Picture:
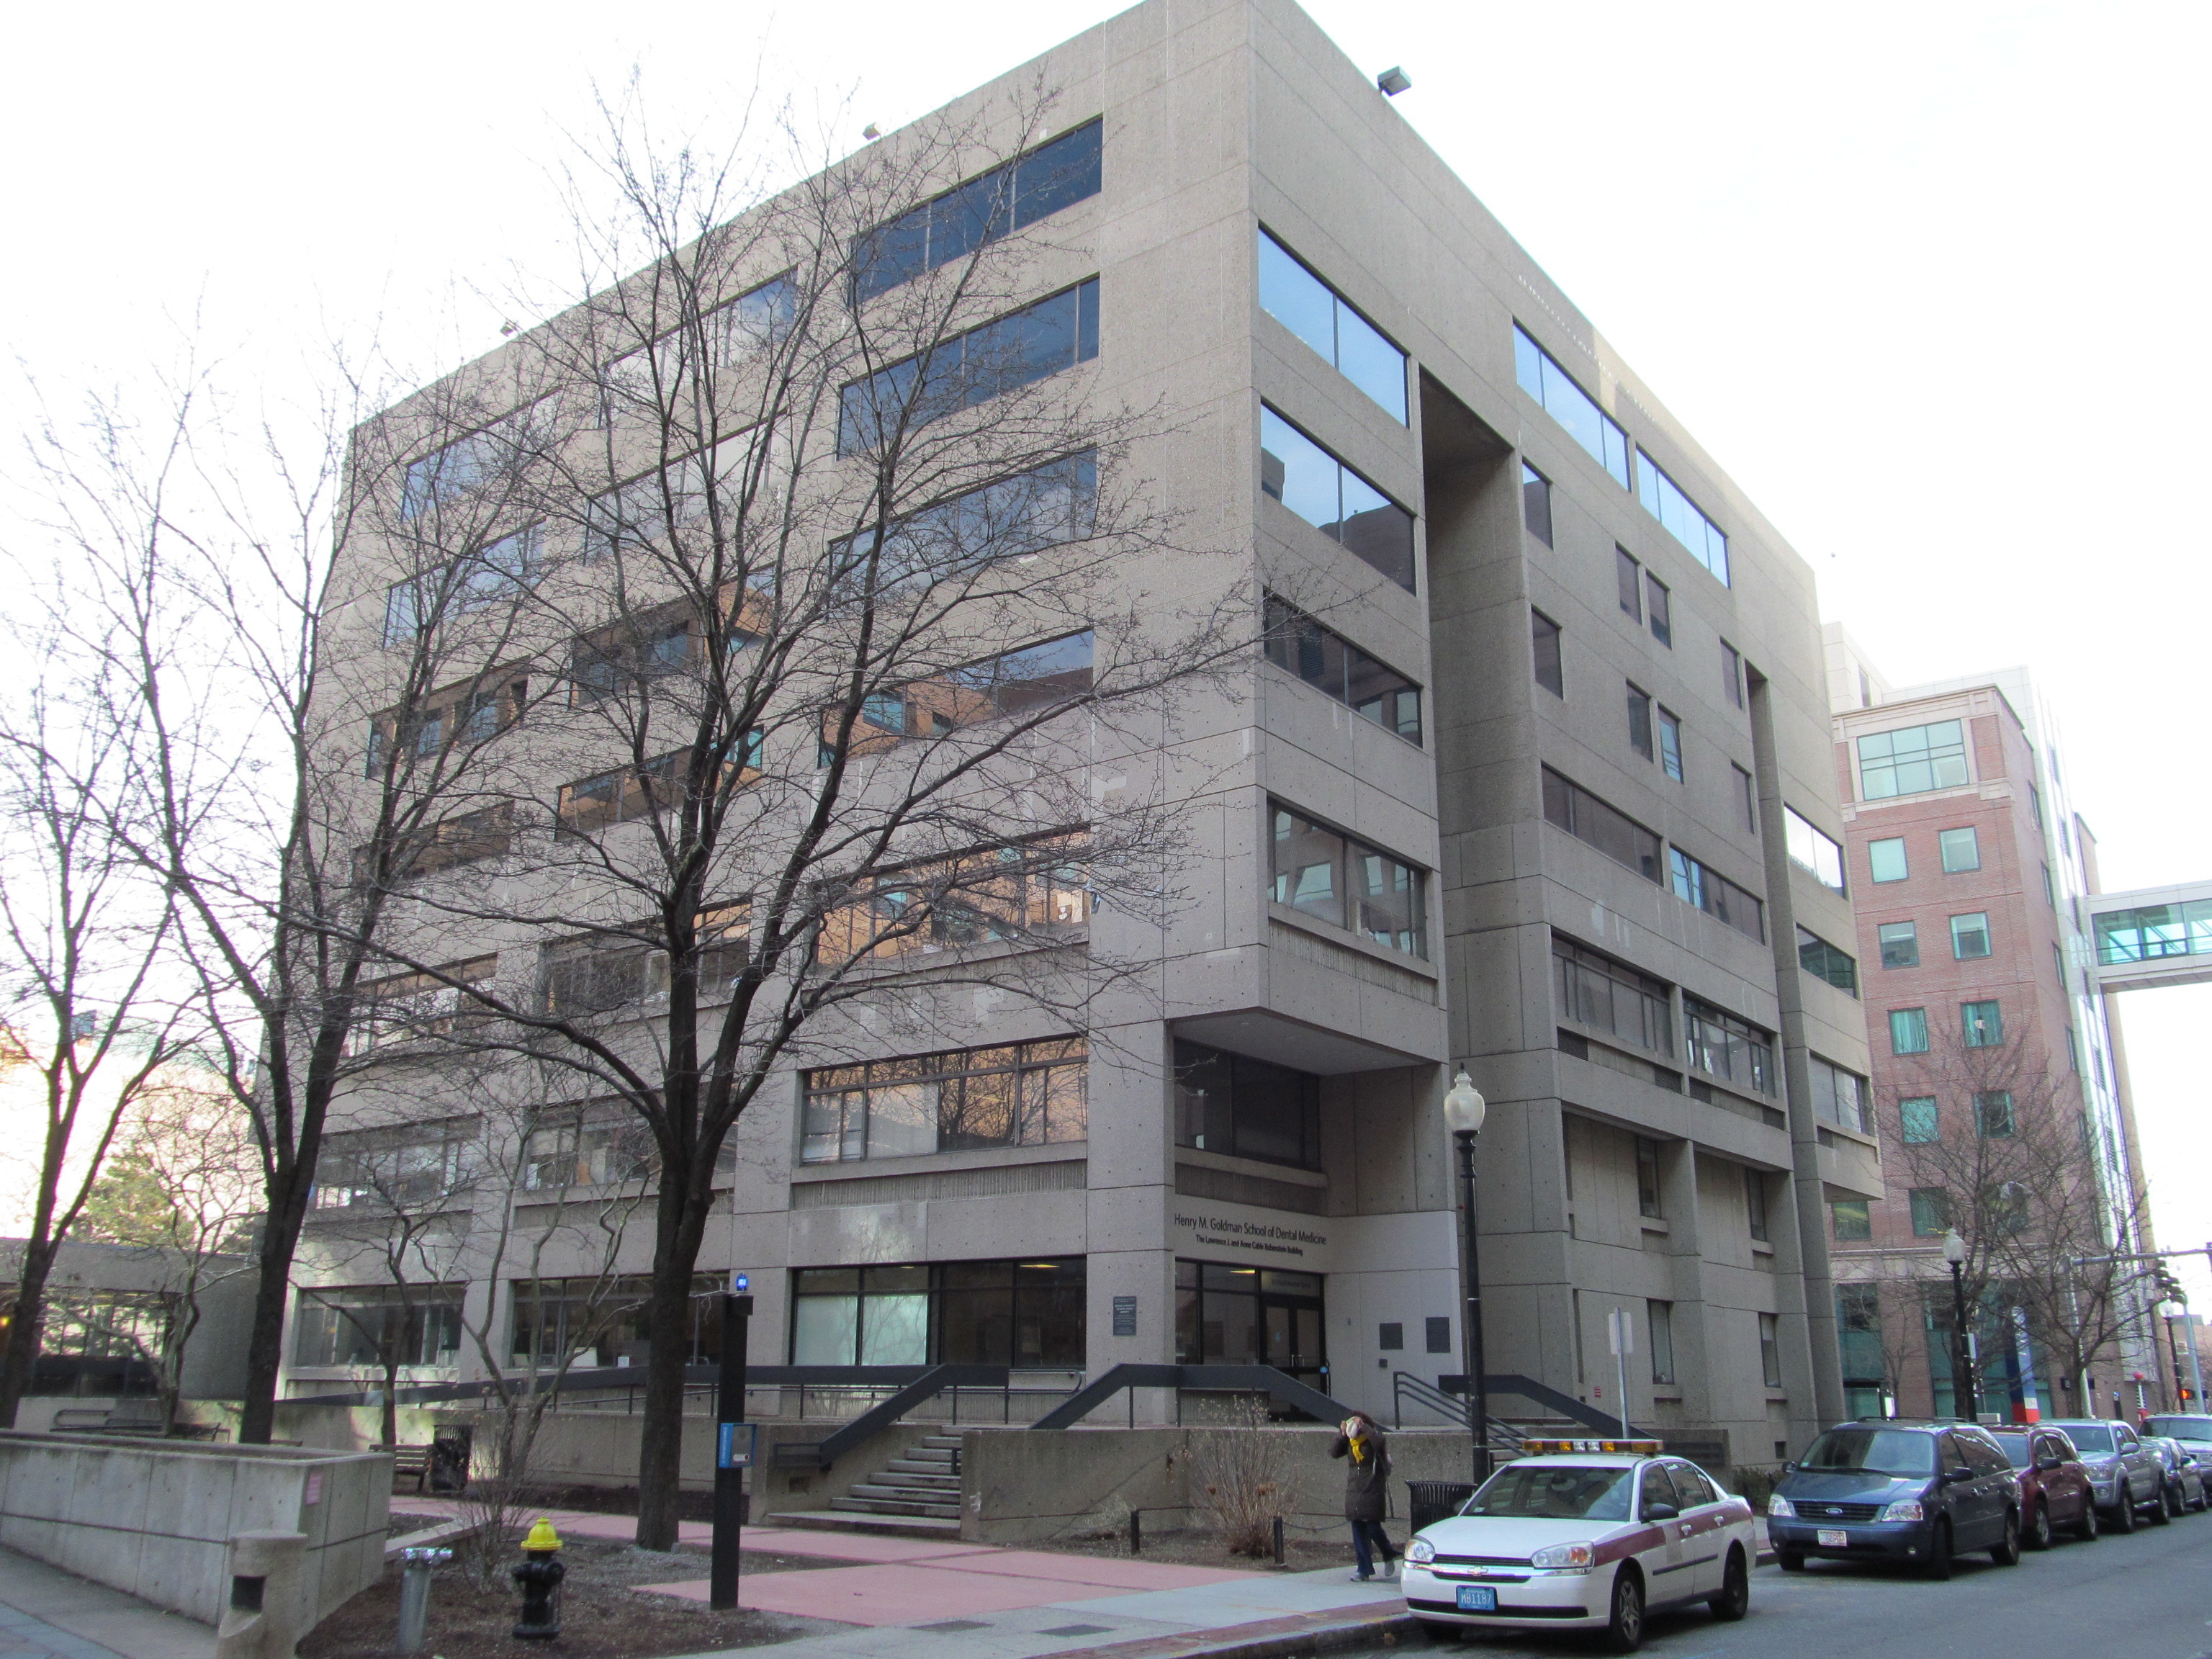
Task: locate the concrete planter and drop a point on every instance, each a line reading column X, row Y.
column 155, row 1518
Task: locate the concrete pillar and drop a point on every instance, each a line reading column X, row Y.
column 265, row 1618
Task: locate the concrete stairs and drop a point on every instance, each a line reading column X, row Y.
column 915, row 1495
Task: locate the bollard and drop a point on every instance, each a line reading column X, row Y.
column 540, row 1576
column 1279, row 1541
column 263, row 1620
column 415, row 1596
column 1136, row 1533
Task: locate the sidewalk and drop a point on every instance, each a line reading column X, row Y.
column 48, row 1613
column 915, row 1598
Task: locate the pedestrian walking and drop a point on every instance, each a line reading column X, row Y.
column 1366, row 1493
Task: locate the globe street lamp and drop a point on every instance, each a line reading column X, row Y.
column 1954, row 1252
column 1464, row 1110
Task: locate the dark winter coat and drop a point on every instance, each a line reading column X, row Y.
column 1367, row 1478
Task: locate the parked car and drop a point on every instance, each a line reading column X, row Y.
column 2184, row 1479
column 1906, row 1491
column 2194, row 1431
column 1583, row 1541
column 2126, row 1474
column 2054, row 1485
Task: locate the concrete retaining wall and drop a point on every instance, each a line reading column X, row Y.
column 155, row 1518
column 1026, row 1485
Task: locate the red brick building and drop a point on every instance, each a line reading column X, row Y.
column 1999, row 1089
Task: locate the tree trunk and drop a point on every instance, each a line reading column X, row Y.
column 23, row 1327
column 681, row 1217
column 264, row 1352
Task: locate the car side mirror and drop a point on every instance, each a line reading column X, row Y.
column 1954, row 1476
column 1789, row 1468
column 1660, row 1511
column 2048, row 1463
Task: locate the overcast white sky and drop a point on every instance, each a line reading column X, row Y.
column 1927, row 279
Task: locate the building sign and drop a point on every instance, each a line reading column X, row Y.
column 1125, row 1316
column 1250, row 1237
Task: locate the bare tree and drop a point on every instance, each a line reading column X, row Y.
column 84, row 930
column 278, row 794
column 394, row 1214
column 569, row 1182
column 183, row 1189
column 1998, row 1147
column 861, row 648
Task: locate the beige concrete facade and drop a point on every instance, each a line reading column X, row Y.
column 1682, row 1180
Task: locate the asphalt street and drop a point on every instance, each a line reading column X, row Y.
column 2147, row 1596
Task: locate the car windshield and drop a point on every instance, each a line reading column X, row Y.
column 2015, row 1447
column 2183, row 1428
column 2089, row 1437
column 1555, row 1492
column 1875, row 1451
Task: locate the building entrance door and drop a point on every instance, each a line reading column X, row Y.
column 1289, row 1307
column 1233, row 1315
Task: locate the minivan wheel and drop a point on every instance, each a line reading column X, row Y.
column 2086, row 1528
column 2123, row 1512
column 2006, row 1553
column 2038, row 1528
column 1938, row 1566
column 1624, row 1632
column 1734, row 1599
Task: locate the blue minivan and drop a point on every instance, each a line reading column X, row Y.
column 1918, row 1493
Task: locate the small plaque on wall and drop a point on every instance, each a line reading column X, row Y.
column 1125, row 1316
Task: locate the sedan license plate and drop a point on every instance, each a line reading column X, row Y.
column 1832, row 1538
column 1477, row 1598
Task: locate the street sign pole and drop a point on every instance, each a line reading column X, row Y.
column 730, row 1444
column 1621, row 1334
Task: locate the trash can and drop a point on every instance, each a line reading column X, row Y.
column 449, row 1458
column 1430, row 1501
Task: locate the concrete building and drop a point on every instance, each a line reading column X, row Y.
column 1995, row 1042
column 1519, row 793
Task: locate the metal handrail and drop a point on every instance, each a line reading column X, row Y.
column 824, row 1453
column 1529, row 1388
column 1503, row 1436
column 1250, row 1379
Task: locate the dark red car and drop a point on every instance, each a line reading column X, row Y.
column 2054, row 1485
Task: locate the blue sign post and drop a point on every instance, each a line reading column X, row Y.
column 734, row 1442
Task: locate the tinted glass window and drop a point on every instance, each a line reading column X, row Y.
column 1333, row 499
column 1981, row 1456
column 1317, row 314
column 1879, row 1451
column 1571, row 406
column 1659, row 1488
column 1555, row 1491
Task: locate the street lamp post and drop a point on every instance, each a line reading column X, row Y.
column 1464, row 1110
column 1954, row 1252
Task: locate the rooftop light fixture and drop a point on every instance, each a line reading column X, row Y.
column 1393, row 80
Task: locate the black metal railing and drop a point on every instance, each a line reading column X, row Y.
column 1405, row 1387
column 1227, row 1379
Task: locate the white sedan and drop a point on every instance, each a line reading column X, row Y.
column 1575, row 1540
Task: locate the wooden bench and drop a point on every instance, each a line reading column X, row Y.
column 411, row 1462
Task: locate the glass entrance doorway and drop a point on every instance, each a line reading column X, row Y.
column 1232, row 1315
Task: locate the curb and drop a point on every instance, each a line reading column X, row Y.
column 1275, row 1639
